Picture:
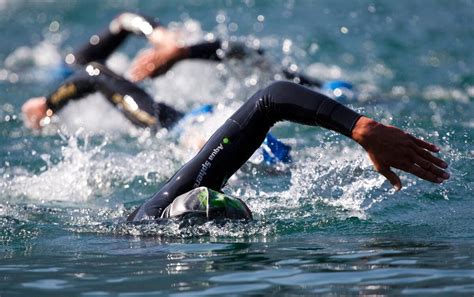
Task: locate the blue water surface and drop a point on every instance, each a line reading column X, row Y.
column 326, row 225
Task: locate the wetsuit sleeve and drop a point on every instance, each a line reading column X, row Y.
column 100, row 46
column 205, row 50
column 131, row 100
column 76, row 87
column 218, row 50
column 234, row 142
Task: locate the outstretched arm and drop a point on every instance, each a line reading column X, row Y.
column 169, row 48
column 37, row 111
column 159, row 59
column 168, row 51
column 100, row 46
column 235, row 141
column 131, row 100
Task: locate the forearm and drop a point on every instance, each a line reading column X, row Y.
column 100, row 46
column 204, row 50
column 291, row 102
column 77, row 86
column 135, row 104
column 96, row 77
column 218, row 50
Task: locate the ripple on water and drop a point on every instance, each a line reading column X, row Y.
column 47, row 284
column 68, row 216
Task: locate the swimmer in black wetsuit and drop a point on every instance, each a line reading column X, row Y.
column 195, row 189
column 132, row 101
column 90, row 75
column 166, row 51
column 164, row 54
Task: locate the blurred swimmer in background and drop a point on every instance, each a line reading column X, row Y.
column 88, row 74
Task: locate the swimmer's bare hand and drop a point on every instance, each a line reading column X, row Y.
column 34, row 110
column 388, row 146
column 156, row 61
column 162, row 37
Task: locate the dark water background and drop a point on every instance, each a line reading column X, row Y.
column 327, row 225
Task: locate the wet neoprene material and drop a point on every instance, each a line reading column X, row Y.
column 237, row 50
column 130, row 99
column 100, row 46
column 235, row 141
column 205, row 50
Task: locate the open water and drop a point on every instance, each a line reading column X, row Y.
column 326, row 225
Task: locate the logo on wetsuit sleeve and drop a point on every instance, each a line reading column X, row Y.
column 208, row 163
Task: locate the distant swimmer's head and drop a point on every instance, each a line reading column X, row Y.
column 62, row 71
column 339, row 90
column 209, row 204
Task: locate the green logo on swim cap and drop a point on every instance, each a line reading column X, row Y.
column 226, row 140
column 202, row 196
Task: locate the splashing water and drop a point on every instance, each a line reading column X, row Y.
column 326, row 224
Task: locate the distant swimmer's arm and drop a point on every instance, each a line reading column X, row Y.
column 156, row 61
column 388, row 146
column 100, row 46
column 38, row 111
column 134, row 23
column 169, row 50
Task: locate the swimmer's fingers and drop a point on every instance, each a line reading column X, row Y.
column 392, row 177
column 389, row 147
column 424, row 144
column 427, row 170
column 421, row 163
column 428, row 156
column 423, row 173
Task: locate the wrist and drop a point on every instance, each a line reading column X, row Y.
column 363, row 130
column 183, row 53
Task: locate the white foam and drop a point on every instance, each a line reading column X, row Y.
column 44, row 54
column 436, row 92
column 94, row 114
column 84, row 172
column 341, row 177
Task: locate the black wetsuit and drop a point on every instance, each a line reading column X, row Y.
column 92, row 76
column 131, row 100
column 218, row 50
column 234, row 142
column 100, row 46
